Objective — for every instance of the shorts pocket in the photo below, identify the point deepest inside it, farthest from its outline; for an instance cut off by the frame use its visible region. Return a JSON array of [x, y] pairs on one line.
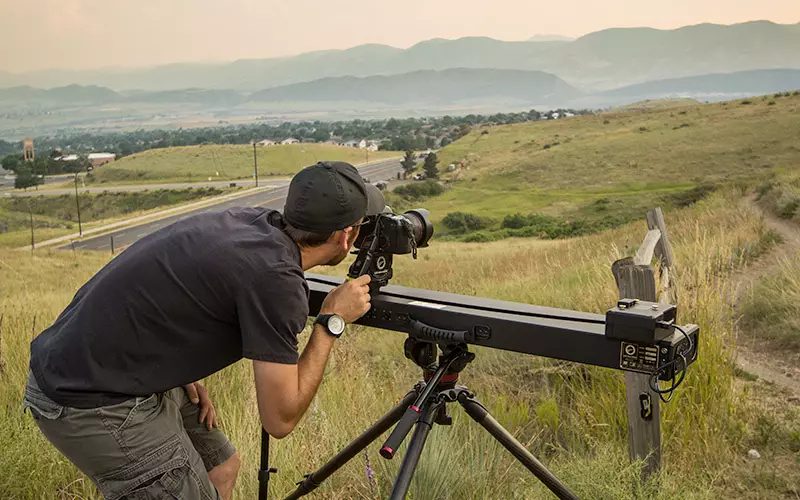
[[159, 474], [40, 405], [119, 416]]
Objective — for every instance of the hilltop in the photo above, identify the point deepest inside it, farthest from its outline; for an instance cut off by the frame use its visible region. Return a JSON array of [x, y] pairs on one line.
[[198, 163], [609, 166]]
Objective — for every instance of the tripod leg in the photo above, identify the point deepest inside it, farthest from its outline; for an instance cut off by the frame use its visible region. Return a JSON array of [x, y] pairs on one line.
[[313, 480], [265, 471], [415, 446], [479, 414]]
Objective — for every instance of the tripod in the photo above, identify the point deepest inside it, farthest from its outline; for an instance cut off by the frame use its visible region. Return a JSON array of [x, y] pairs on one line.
[[423, 406]]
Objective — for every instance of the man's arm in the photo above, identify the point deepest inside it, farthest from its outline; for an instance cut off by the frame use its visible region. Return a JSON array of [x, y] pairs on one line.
[[285, 391]]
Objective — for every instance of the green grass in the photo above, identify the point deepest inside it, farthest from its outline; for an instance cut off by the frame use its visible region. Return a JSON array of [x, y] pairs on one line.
[[571, 417], [215, 162], [633, 158]]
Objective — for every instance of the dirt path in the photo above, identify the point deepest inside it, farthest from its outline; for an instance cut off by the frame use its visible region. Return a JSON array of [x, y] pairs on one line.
[[755, 356]]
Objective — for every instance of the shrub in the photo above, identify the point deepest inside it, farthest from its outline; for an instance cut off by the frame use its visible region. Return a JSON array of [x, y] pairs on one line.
[[417, 191], [691, 196], [771, 103], [747, 102], [786, 206], [463, 222]]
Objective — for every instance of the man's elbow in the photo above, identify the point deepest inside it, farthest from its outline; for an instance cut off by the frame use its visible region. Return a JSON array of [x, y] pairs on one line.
[[280, 431]]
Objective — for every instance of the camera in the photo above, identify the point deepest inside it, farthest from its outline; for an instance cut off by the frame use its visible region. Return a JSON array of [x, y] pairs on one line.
[[385, 235]]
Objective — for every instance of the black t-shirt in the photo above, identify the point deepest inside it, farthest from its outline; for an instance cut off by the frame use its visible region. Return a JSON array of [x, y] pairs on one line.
[[175, 307]]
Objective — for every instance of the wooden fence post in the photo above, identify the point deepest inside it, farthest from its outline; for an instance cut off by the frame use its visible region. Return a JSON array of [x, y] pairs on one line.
[[636, 280]]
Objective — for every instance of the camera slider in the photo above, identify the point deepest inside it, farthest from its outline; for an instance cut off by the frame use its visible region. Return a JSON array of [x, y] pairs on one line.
[[635, 336]]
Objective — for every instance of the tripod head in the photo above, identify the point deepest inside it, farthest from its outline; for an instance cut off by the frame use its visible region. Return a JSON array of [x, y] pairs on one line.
[[424, 354]]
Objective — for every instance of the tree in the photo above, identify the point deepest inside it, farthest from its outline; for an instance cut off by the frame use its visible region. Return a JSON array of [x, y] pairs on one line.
[[408, 162], [431, 172], [12, 161], [25, 177]]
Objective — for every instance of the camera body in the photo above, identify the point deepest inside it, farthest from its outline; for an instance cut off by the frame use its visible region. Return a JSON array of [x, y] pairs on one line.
[[385, 235]]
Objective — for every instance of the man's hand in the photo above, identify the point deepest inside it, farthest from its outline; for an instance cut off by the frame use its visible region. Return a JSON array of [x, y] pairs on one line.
[[198, 395], [349, 300]]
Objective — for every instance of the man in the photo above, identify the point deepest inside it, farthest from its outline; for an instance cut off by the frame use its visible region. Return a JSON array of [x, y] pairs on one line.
[[112, 380]]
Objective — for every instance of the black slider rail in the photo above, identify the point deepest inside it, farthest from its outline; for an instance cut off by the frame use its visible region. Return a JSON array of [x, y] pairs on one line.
[[448, 318], [634, 336]]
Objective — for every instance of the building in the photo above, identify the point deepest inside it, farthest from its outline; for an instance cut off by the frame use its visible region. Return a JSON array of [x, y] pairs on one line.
[[290, 140], [266, 142], [27, 149], [98, 159]]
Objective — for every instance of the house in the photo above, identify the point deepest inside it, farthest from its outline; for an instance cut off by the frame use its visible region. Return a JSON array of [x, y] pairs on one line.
[[266, 142], [290, 140], [98, 159]]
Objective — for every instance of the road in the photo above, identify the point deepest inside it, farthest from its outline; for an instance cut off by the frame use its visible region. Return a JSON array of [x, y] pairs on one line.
[[272, 198], [7, 184], [95, 189]]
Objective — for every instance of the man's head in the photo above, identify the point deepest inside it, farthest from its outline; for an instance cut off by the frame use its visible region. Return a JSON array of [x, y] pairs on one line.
[[324, 206]]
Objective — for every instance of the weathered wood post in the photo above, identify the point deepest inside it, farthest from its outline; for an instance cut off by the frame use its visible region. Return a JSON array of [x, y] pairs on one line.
[[636, 280]]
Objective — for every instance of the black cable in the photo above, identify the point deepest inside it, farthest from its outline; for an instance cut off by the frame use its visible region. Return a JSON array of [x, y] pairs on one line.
[[653, 381]]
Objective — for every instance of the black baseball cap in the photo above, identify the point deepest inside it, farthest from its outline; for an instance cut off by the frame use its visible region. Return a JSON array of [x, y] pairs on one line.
[[330, 196]]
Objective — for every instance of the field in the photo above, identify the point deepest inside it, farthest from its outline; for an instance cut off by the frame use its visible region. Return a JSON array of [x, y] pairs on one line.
[[214, 162], [571, 417], [55, 216], [617, 162]]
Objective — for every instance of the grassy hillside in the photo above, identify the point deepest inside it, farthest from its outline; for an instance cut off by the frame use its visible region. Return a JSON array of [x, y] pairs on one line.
[[198, 163], [572, 417], [613, 164], [55, 216]]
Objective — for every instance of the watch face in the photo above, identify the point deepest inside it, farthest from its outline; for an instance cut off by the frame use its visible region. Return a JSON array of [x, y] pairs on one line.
[[336, 325]]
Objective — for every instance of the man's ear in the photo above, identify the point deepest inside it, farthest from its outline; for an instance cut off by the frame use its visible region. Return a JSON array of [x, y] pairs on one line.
[[344, 235]]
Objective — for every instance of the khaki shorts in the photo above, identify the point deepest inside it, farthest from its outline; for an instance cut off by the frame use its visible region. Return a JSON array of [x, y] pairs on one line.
[[143, 448]]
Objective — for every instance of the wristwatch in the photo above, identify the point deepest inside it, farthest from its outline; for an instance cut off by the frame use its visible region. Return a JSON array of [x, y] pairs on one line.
[[333, 323]]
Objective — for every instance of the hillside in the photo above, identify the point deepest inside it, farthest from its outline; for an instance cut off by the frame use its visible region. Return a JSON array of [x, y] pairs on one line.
[[196, 163], [607, 167], [716, 87], [597, 61], [440, 87], [571, 417], [70, 94]]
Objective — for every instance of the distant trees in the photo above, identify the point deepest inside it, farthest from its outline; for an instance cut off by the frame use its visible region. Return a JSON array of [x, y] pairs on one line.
[[431, 171], [409, 163], [26, 177], [11, 162], [398, 134]]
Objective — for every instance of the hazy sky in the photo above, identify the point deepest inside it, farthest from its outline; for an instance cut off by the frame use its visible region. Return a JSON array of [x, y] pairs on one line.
[[36, 34]]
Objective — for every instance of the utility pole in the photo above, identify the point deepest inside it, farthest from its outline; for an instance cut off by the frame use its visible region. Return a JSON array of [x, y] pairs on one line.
[[78, 205], [255, 162], [30, 211]]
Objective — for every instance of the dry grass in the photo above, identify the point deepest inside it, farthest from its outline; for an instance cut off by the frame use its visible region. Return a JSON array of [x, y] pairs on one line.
[[572, 417], [222, 162]]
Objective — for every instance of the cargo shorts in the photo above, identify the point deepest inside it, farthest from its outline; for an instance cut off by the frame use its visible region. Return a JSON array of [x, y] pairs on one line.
[[141, 449]]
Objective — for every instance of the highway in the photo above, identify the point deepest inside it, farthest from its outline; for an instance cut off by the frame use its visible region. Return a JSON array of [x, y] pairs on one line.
[[272, 198], [100, 188]]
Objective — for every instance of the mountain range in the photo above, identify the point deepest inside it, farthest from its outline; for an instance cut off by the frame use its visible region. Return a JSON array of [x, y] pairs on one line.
[[596, 62], [526, 89]]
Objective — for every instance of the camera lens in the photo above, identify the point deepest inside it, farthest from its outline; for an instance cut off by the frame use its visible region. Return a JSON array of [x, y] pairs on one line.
[[421, 227]]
